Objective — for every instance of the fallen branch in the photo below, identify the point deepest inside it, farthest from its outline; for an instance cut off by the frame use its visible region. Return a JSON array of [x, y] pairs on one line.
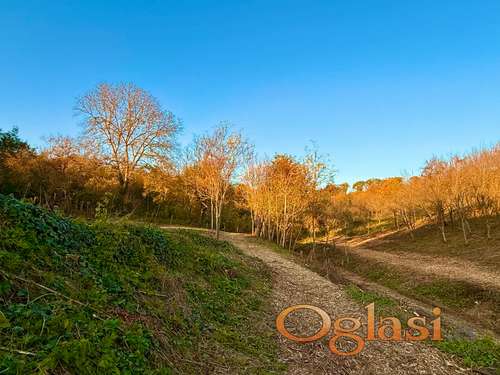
[[43, 287], [16, 351], [152, 293], [69, 299]]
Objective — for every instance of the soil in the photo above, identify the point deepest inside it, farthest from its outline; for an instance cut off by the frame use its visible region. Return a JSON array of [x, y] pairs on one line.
[[294, 284], [440, 266]]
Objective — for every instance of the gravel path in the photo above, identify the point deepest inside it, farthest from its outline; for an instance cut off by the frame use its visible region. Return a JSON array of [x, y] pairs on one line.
[[294, 284]]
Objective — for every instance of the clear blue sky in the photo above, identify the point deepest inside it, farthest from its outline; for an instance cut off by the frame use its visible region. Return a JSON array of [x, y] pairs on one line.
[[380, 85]]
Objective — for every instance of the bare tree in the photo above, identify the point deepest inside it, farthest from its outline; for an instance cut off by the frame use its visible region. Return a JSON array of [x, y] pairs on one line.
[[128, 126], [218, 157], [319, 174], [253, 180]]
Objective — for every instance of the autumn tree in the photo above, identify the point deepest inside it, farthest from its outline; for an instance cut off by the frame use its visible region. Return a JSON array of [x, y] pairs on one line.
[[11, 148], [128, 126], [217, 157], [278, 194], [253, 181], [485, 184], [319, 173]]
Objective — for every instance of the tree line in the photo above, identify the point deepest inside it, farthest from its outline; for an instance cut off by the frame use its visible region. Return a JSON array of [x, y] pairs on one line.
[[127, 162], [448, 192]]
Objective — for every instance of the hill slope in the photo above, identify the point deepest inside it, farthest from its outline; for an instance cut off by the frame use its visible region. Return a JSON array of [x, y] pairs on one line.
[[120, 298]]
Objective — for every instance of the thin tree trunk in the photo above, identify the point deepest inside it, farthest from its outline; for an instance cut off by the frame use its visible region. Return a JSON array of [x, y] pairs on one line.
[[314, 233], [443, 234], [464, 231], [441, 222], [211, 214], [217, 219], [467, 225]]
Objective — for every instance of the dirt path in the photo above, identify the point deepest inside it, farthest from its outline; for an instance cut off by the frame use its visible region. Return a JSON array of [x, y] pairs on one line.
[[294, 284], [456, 269]]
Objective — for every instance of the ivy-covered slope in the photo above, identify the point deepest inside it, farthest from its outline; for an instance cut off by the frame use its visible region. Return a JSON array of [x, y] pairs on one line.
[[116, 298]]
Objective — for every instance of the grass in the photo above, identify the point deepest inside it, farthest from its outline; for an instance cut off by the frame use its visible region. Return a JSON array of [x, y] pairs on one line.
[[455, 294], [479, 353], [366, 229], [427, 240], [383, 304], [473, 302], [482, 352], [122, 298]]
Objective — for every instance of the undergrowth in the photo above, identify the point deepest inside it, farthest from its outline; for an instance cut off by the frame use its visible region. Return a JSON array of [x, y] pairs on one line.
[[479, 353], [471, 301], [121, 298]]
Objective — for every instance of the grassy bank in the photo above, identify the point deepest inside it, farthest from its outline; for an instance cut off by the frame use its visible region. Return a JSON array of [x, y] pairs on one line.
[[476, 304], [482, 353], [120, 298], [427, 240], [473, 302]]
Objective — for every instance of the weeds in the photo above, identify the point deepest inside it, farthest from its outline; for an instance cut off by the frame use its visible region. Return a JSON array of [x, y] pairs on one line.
[[482, 352], [122, 298]]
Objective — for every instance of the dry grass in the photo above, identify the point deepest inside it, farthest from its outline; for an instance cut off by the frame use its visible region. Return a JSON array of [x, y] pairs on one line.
[[479, 249]]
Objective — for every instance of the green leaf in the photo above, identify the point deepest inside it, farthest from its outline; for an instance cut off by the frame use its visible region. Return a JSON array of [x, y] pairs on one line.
[[4, 322]]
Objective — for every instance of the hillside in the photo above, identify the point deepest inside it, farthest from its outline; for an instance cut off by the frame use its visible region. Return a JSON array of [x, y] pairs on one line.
[[122, 298], [427, 241], [462, 278]]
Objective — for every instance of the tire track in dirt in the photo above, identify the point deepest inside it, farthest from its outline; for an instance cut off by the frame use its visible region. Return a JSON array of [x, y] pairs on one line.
[[455, 269]]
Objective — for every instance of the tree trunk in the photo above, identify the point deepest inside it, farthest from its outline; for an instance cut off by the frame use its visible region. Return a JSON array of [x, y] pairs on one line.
[[407, 220], [290, 241], [218, 212], [441, 222], [314, 233], [443, 234], [464, 230], [211, 214], [467, 225]]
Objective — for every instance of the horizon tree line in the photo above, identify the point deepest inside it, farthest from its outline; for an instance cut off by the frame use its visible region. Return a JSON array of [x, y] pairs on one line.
[[126, 163]]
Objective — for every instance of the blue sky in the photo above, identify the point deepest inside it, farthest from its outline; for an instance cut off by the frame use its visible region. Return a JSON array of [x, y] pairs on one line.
[[381, 86]]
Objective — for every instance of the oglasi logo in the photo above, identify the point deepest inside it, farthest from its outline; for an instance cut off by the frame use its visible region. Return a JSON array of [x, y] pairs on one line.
[[417, 330]]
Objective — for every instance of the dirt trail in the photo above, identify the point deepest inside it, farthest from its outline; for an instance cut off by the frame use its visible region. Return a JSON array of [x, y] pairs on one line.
[[451, 268], [294, 284]]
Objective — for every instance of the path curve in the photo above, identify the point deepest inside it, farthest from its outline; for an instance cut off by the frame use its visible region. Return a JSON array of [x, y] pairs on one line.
[[451, 268], [293, 284]]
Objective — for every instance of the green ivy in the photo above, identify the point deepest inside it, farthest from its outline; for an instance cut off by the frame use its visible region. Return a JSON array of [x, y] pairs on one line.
[[115, 298]]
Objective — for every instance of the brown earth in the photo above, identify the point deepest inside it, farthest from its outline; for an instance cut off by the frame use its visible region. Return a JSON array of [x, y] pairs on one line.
[[440, 266], [294, 284]]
